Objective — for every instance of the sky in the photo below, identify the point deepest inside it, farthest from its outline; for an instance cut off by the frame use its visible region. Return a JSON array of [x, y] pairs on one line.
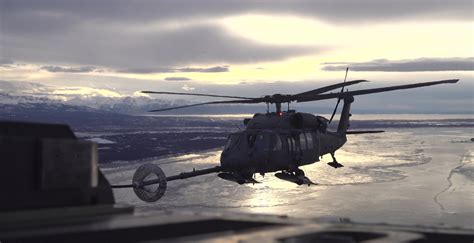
[[245, 48]]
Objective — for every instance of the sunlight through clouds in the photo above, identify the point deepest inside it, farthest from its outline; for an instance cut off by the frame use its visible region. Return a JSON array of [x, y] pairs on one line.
[[360, 41]]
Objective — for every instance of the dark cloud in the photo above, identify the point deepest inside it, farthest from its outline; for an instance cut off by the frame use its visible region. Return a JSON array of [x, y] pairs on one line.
[[123, 48], [60, 69], [413, 65], [177, 79], [146, 10], [147, 70], [216, 69]]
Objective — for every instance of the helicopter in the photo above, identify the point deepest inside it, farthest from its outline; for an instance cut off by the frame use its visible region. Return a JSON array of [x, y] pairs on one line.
[[273, 142]]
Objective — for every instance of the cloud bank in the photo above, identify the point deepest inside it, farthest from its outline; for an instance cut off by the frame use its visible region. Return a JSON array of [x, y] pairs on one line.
[[106, 45], [177, 79], [123, 34], [60, 69], [329, 10], [412, 65], [215, 69]]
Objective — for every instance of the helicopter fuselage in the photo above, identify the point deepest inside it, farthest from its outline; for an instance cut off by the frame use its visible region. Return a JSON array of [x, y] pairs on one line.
[[279, 142]]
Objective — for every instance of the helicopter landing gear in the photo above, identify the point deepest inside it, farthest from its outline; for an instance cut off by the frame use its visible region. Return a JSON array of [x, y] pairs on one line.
[[334, 162], [298, 172], [237, 178], [296, 176]]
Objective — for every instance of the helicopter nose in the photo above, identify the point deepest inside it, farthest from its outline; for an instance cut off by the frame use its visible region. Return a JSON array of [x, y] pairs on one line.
[[228, 163], [233, 163]]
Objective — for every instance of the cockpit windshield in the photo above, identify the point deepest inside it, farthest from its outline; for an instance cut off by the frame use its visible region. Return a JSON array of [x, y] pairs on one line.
[[233, 138], [262, 142]]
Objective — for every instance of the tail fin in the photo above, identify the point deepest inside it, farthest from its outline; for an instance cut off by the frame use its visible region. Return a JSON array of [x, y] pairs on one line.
[[345, 115]]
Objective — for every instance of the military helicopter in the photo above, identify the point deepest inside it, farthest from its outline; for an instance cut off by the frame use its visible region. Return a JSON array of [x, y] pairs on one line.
[[279, 141]]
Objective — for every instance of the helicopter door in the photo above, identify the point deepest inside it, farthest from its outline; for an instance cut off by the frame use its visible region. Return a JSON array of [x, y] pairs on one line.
[[262, 142], [277, 154]]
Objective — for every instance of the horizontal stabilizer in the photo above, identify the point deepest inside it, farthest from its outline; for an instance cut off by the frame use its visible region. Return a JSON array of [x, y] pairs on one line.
[[364, 131]]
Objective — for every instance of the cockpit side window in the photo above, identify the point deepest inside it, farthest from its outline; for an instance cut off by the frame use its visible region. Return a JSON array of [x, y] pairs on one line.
[[262, 142], [251, 139], [233, 138]]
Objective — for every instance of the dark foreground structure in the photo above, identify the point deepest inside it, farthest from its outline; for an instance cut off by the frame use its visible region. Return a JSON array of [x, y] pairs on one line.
[[52, 191]]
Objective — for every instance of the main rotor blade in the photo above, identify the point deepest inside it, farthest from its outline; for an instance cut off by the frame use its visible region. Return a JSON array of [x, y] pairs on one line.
[[376, 90], [253, 101], [294, 97], [195, 94], [326, 89]]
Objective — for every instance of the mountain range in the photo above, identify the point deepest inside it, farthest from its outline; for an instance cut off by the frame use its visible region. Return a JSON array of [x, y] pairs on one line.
[[20, 93], [15, 93]]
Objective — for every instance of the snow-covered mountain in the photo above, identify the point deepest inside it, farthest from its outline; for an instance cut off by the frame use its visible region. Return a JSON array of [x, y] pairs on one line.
[[14, 93]]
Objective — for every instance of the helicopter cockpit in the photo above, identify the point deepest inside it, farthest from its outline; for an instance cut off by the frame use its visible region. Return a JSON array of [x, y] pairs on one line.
[[256, 140]]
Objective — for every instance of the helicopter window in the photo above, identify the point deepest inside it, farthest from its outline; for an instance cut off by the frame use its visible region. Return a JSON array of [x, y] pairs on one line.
[[290, 144], [251, 140], [262, 142], [302, 141], [231, 141], [276, 142], [309, 140]]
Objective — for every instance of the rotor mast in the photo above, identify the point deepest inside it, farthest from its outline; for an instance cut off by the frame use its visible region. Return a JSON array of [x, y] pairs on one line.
[[278, 107], [278, 99]]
